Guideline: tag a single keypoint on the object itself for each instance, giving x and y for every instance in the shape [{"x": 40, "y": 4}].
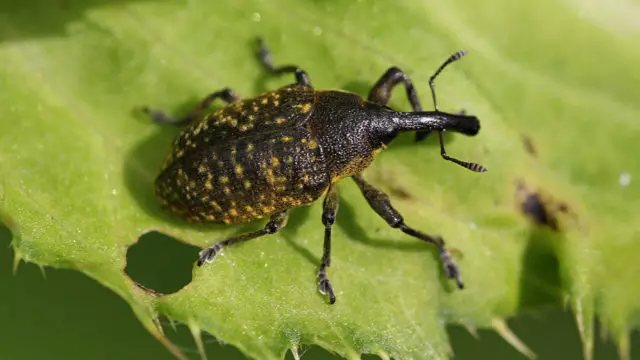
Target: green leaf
[{"x": 555, "y": 85}]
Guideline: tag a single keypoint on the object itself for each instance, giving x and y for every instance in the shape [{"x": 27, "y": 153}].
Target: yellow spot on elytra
[
  {"x": 192, "y": 185},
  {"x": 248, "y": 208},
  {"x": 289, "y": 159},
  {"x": 312, "y": 144},
  {"x": 300, "y": 186},
  {"x": 247, "y": 184},
  {"x": 233, "y": 212},
  {"x": 280, "y": 120},
  {"x": 243, "y": 128},
  {"x": 306, "y": 178},
  {"x": 255, "y": 108},
  {"x": 285, "y": 139},
  {"x": 281, "y": 188},
  {"x": 202, "y": 169},
  {"x": 226, "y": 220},
  {"x": 220, "y": 163},
  {"x": 275, "y": 161},
  {"x": 215, "y": 205},
  {"x": 304, "y": 108},
  {"x": 227, "y": 191},
  {"x": 223, "y": 179},
  {"x": 270, "y": 177},
  {"x": 264, "y": 100},
  {"x": 250, "y": 147},
  {"x": 303, "y": 140},
  {"x": 208, "y": 185},
  {"x": 210, "y": 217},
  {"x": 276, "y": 103},
  {"x": 251, "y": 117},
  {"x": 239, "y": 170}
]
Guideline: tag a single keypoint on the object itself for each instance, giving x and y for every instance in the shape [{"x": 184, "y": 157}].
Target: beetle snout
[{"x": 467, "y": 124}]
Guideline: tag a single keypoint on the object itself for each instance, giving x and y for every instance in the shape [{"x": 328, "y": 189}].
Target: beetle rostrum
[{"x": 262, "y": 156}]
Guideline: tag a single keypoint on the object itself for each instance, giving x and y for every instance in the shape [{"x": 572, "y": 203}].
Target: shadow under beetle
[{"x": 286, "y": 148}]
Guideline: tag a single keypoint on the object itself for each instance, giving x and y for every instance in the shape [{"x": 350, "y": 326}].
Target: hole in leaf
[{"x": 161, "y": 263}]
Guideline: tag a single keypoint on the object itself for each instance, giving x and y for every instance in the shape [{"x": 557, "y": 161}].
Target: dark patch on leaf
[
  {"x": 160, "y": 264},
  {"x": 541, "y": 209}
]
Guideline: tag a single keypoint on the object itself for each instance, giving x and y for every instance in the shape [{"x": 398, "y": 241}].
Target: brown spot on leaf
[{"x": 540, "y": 207}]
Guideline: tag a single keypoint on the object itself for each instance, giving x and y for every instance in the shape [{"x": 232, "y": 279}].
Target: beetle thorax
[{"x": 348, "y": 129}]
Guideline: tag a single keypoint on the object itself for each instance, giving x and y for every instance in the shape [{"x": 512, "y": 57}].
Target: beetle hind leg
[
  {"x": 275, "y": 224},
  {"x": 227, "y": 95}
]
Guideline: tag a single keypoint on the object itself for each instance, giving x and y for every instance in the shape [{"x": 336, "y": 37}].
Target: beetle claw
[
  {"x": 326, "y": 288},
  {"x": 207, "y": 255}
]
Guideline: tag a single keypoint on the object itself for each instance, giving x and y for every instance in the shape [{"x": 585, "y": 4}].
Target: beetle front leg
[
  {"x": 329, "y": 211},
  {"x": 380, "y": 203},
  {"x": 380, "y": 93},
  {"x": 227, "y": 95},
  {"x": 302, "y": 78}
]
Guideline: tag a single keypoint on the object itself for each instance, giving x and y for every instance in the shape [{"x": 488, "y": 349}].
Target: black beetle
[{"x": 286, "y": 148}]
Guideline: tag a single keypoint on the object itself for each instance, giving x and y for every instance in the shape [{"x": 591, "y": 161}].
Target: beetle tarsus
[
  {"x": 450, "y": 268},
  {"x": 324, "y": 285},
  {"x": 207, "y": 255}
]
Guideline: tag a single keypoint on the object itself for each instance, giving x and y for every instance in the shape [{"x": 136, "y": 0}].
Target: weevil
[{"x": 262, "y": 156}]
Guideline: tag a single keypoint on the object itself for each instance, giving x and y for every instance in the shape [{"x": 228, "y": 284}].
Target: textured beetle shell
[{"x": 248, "y": 160}]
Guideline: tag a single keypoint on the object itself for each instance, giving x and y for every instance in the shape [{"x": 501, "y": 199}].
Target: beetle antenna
[
  {"x": 452, "y": 58},
  {"x": 467, "y": 165}
]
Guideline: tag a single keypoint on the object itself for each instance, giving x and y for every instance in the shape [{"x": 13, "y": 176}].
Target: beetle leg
[
  {"x": 380, "y": 93},
  {"x": 302, "y": 78},
  {"x": 379, "y": 201},
  {"x": 227, "y": 95},
  {"x": 329, "y": 211},
  {"x": 275, "y": 224}
]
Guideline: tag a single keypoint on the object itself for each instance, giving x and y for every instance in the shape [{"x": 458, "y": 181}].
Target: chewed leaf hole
[{"x": 161, "y": 263}]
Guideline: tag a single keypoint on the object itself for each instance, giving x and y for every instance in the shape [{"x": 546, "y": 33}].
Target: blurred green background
[{"x": 66, "y": 315}]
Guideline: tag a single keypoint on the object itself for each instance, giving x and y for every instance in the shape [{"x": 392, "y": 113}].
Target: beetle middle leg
[
  {"x": 381, "y": 204},
  {"x": 275, "y": 224},
  {"x": 329, "y": 211},
  {"x": 227, "y": 95},
  {"x": 302, "y": 78}
]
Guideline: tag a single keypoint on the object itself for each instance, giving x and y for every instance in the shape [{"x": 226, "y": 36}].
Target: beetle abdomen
[{"x": 246, "y": 178}]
